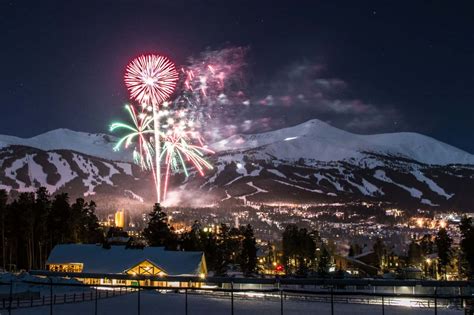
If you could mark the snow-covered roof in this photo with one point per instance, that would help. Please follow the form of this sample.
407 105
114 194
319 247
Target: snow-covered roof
118 259
363 254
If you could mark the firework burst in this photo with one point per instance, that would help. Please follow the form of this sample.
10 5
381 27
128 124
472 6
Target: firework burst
151 79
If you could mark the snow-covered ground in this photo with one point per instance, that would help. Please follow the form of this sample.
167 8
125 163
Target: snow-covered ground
21 284
172 303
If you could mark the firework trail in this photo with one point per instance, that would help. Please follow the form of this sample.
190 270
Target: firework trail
141 128
139 132
178 150
180 146
151 79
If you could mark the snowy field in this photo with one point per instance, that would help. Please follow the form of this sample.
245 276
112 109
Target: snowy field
173 303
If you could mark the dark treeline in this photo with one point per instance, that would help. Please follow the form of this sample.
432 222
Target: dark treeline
226 248
432 254
33 223
235 249
304 252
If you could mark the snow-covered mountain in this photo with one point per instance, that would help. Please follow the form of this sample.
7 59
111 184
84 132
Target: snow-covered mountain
93 144
308 163
315 162
318 140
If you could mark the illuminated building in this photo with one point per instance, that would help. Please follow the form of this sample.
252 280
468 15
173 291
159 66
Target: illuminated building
151 261
119 219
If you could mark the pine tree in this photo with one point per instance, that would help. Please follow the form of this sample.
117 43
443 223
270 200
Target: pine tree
414 254
290 246
248 256
210 249
3 213
94 233
467 247
324 260
299 249
41 211
158 232
26 229
223 251
380 251
77 221
426 245
443 243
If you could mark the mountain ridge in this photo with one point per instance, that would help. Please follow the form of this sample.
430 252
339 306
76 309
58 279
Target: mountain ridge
101 145
308 163
344 145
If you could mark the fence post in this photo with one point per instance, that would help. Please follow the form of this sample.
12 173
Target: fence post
436 301
383 306
10 298
332 301
95 304
138 298
232 298
186 301
50 296
281 297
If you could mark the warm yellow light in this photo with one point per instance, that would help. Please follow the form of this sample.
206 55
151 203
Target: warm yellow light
119 219
202 275
428 261
419 222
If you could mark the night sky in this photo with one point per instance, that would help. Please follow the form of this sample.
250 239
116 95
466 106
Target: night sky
377 66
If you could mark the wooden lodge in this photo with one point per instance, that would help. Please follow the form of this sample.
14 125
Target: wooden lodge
148 261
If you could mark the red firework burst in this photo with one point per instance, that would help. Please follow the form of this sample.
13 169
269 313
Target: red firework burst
151 79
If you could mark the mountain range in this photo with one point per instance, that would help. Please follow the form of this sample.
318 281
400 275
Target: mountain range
311 163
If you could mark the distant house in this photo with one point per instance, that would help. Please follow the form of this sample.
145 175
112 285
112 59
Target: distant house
152 261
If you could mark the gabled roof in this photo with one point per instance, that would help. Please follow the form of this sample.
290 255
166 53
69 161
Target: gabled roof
118 259
364 254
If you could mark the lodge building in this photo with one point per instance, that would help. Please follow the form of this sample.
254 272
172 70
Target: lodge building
118 259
